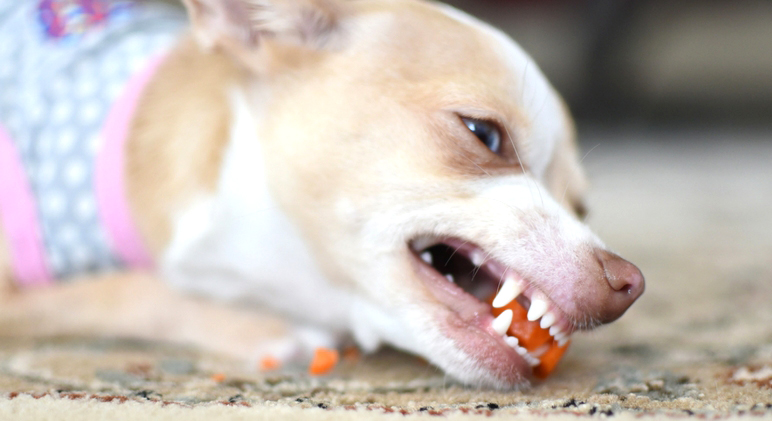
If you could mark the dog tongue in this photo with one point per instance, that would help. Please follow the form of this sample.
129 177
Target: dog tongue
532 337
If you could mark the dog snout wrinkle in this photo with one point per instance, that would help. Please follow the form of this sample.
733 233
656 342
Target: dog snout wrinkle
625 281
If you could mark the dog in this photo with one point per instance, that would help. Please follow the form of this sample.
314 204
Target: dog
289 174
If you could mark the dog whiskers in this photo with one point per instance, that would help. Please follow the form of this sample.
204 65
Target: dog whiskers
455 250
568 183
476 165
522 83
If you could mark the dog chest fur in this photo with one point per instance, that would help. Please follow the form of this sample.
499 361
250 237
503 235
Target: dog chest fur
237 244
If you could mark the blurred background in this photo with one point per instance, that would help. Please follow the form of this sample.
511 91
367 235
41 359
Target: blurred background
689 62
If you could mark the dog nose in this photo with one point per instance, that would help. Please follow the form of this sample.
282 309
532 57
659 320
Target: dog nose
626 283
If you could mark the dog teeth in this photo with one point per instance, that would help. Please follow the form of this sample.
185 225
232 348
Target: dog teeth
538 309
548 320
540 351
532 361
449 277
527 356
426 257
511 341
509 290
501 323
477 257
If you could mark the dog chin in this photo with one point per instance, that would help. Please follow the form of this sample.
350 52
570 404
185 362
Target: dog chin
467 352
470 354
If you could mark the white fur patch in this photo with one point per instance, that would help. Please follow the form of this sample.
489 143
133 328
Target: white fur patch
238 245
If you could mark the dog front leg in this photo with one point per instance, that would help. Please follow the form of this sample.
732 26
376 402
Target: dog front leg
139 305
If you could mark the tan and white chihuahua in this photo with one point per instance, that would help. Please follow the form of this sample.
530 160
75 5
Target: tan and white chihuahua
307 171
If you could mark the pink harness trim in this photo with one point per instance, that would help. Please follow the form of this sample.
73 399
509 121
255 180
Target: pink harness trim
19 216
110 174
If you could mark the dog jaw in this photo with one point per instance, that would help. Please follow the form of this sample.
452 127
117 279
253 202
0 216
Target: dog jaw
518 226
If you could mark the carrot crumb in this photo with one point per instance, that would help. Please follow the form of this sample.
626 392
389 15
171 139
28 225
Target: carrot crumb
324 361
269 363
218 377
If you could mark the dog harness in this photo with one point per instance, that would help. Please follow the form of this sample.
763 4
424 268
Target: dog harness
71 74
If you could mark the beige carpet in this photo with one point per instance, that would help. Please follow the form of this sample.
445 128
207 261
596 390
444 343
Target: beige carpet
693 210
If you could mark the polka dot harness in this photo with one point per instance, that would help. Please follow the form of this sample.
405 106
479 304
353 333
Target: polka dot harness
69 75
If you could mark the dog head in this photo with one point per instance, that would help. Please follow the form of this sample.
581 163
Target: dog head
425 159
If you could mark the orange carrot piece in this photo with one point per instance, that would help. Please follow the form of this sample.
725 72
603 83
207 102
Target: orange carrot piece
532 337
218 377
324 361
549 360
530 334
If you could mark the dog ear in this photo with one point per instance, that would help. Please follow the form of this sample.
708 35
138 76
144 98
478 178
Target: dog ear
242 27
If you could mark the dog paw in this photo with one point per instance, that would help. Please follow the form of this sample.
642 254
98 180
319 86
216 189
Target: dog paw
296 349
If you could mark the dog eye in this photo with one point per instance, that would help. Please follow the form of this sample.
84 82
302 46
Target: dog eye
487 132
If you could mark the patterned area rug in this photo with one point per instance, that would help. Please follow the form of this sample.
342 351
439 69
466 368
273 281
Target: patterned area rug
692 210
